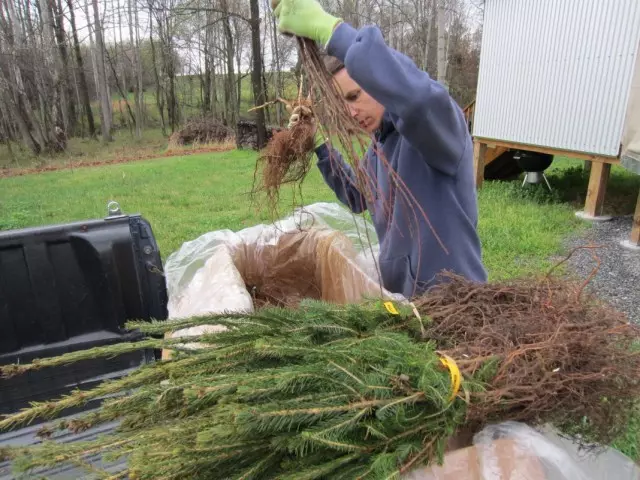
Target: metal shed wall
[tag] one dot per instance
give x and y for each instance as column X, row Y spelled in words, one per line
column 556, row 73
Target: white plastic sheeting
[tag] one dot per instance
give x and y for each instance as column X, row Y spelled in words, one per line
column 512, row 450
column 202, row 279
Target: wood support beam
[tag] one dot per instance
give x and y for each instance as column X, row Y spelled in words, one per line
column 597, row 188
column 635, row 230
column 479, row 154
column 553, row 151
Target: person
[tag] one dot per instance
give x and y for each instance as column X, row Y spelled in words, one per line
column 423, row 136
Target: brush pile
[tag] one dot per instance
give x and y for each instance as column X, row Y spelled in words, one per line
column 357, row 391
column 201, row 131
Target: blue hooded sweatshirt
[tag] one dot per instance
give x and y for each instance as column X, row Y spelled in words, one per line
column 425, row 139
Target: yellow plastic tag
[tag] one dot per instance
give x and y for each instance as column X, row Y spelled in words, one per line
column 391, row 308
column 456, row 377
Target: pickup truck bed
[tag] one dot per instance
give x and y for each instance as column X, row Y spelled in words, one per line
column 66, row 288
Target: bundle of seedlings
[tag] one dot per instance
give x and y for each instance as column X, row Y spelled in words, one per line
column 356, row 391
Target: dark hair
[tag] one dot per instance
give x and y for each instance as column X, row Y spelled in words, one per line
column 332, row 64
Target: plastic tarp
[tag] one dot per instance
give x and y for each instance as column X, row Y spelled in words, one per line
column 630, row 155
column 205, row 276
column 512, row 450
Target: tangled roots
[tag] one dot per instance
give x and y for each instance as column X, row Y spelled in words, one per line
column 551, row 353
column 285, row 160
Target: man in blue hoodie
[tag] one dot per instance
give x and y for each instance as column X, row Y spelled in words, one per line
column 424, row 137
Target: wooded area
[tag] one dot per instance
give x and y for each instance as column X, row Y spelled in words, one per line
column 80, row 68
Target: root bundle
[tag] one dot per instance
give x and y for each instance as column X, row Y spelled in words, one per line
column 558, row 355
column 286, row 158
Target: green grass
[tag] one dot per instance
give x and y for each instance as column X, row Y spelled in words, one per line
column 183, row 197
column 521, row 229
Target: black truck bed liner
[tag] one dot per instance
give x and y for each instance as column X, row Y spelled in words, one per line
column 71, row 287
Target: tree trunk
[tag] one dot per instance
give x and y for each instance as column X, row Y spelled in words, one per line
column 168, row 70
column 425, row 57
column 82, row 79
column 94, row 60
column 205, row 77
column 104, row 94
column 156, row 76
column 276, row 54
column 136, row 67
column 66, row 81
column 59, row 109
column 442, row 58
column 230, row 95
column 265, row 90
column 27, row 138
column 140, row 106
column 238, row 49
column 214, row 82
column 256, row 74
column 121, row 63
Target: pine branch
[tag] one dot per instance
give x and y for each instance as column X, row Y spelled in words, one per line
column 109, row 351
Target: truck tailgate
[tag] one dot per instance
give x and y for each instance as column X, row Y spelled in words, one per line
column 66, row 288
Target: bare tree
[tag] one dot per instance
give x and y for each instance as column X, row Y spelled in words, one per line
column 194, row 57
column 82, row 79
column 256, row 74
column 105, row 101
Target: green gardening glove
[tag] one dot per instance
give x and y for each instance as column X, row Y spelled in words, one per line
column 304, row 18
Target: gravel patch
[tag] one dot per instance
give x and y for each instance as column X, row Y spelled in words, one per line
column 618, row 278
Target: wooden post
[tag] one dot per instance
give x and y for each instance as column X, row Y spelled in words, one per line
column 479, row 154
column 635, row 231
column 597, row 188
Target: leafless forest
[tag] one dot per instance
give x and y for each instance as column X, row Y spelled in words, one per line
column 86, row 68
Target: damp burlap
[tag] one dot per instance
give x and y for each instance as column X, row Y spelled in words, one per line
column 315, row 264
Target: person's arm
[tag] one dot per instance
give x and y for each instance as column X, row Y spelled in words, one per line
column 424, row 112
column 340, row 178
column 335, row 171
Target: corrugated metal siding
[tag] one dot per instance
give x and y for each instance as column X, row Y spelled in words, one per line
column 556, row 73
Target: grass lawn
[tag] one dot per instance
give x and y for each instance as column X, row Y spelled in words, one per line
column 184, row 197
column 521, row 229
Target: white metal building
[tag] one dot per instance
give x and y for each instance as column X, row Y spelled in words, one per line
column 557, row 73
column 560, row 77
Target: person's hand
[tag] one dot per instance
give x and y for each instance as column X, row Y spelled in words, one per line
column 297, row 113
column 304, row 18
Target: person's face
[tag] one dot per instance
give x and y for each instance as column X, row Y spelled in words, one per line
column 367, row 111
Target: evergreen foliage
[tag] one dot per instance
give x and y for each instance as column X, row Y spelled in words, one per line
column 320, row 391
column 345, row 392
